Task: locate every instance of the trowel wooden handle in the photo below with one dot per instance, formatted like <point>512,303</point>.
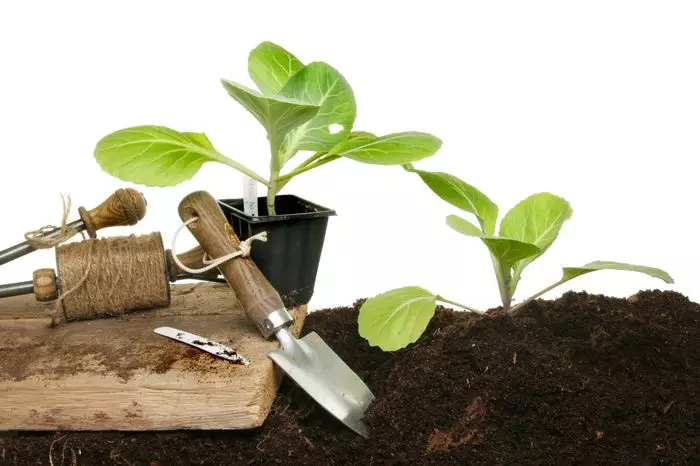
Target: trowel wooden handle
<point>260,300</point>
<point>192,259</point>
<point>123,207</point>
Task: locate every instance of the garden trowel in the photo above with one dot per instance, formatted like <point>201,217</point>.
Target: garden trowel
<point>309,361</point>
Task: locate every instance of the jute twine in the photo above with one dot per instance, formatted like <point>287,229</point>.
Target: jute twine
<point>244,249</point>
<point>37,238</point>
<point>110,276</point>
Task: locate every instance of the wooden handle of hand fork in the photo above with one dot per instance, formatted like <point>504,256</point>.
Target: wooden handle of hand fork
<point>123,207</point>
<point>260,300</point>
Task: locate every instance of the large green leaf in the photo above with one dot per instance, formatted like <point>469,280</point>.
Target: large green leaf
<point>270,67</point>
<point>391,149</point>
<point>537,220</point>
<point>155,155</point>
<point>322,85</point>
<point>397,318</point>
<point>279,115</point>
<point>461,195</point>
<point>570,273</point>
<point>508,251</point>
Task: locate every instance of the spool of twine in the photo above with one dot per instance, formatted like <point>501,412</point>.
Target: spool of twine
<point>110,276</point>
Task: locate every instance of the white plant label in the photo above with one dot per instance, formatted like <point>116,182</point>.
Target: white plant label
<point>250,196</point>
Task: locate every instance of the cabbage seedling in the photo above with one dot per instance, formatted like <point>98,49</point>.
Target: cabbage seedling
<point>394,319</point>
<point>302,108</point>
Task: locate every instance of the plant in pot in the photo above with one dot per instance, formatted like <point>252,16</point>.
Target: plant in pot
<point>303,108</point>
<point>397,318</point>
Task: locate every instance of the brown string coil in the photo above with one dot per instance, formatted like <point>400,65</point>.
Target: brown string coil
<point>110,276</point>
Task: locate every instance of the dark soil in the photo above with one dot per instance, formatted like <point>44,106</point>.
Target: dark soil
<point>581,380</point>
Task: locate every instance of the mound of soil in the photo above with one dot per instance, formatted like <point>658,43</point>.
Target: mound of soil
<point>584,379</point>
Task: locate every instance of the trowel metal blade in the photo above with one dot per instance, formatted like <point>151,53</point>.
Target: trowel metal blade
<point>318,370</point>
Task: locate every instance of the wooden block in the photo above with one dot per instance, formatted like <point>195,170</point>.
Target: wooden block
<point>116,374</point>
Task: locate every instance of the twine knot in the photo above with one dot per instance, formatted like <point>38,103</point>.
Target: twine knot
<point>49,236</point>
<point>244,250</point>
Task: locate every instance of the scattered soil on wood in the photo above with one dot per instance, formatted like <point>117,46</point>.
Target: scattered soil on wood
<point>99,357</point>
<point>584,379</point>
<point>43,353</point>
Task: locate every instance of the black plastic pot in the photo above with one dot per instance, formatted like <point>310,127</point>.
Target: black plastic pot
<point>290,257</point>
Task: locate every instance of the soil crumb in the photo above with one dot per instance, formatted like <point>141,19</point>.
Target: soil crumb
<point>584,379</point>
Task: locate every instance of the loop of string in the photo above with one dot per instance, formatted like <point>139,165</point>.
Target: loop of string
<point>243,251</point>
<point>38,239</point>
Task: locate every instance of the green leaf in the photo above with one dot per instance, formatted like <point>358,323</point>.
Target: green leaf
<point>570,273</point>
<point>154,155</point>
<point>322,85</point>
<point>397,318</point>
<point>505,250</point>
<point>270,67</point>
<point>392,149</point>
<point>278,115</point>
<point>463,226</point>
<point>537,220</point>
<point>508,251</point>
<point>461,195</point>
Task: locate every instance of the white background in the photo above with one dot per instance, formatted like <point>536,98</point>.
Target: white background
<point>598,102</point>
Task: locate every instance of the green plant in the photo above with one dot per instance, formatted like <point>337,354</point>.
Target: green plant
<point>394,319</point>
<point>302,108</point>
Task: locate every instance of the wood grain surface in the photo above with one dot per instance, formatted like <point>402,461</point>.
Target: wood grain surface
<point>124,207</point>
<point>116,374</point>
<point>216,236</point>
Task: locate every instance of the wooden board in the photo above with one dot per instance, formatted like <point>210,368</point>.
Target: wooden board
<point>116,374</point>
